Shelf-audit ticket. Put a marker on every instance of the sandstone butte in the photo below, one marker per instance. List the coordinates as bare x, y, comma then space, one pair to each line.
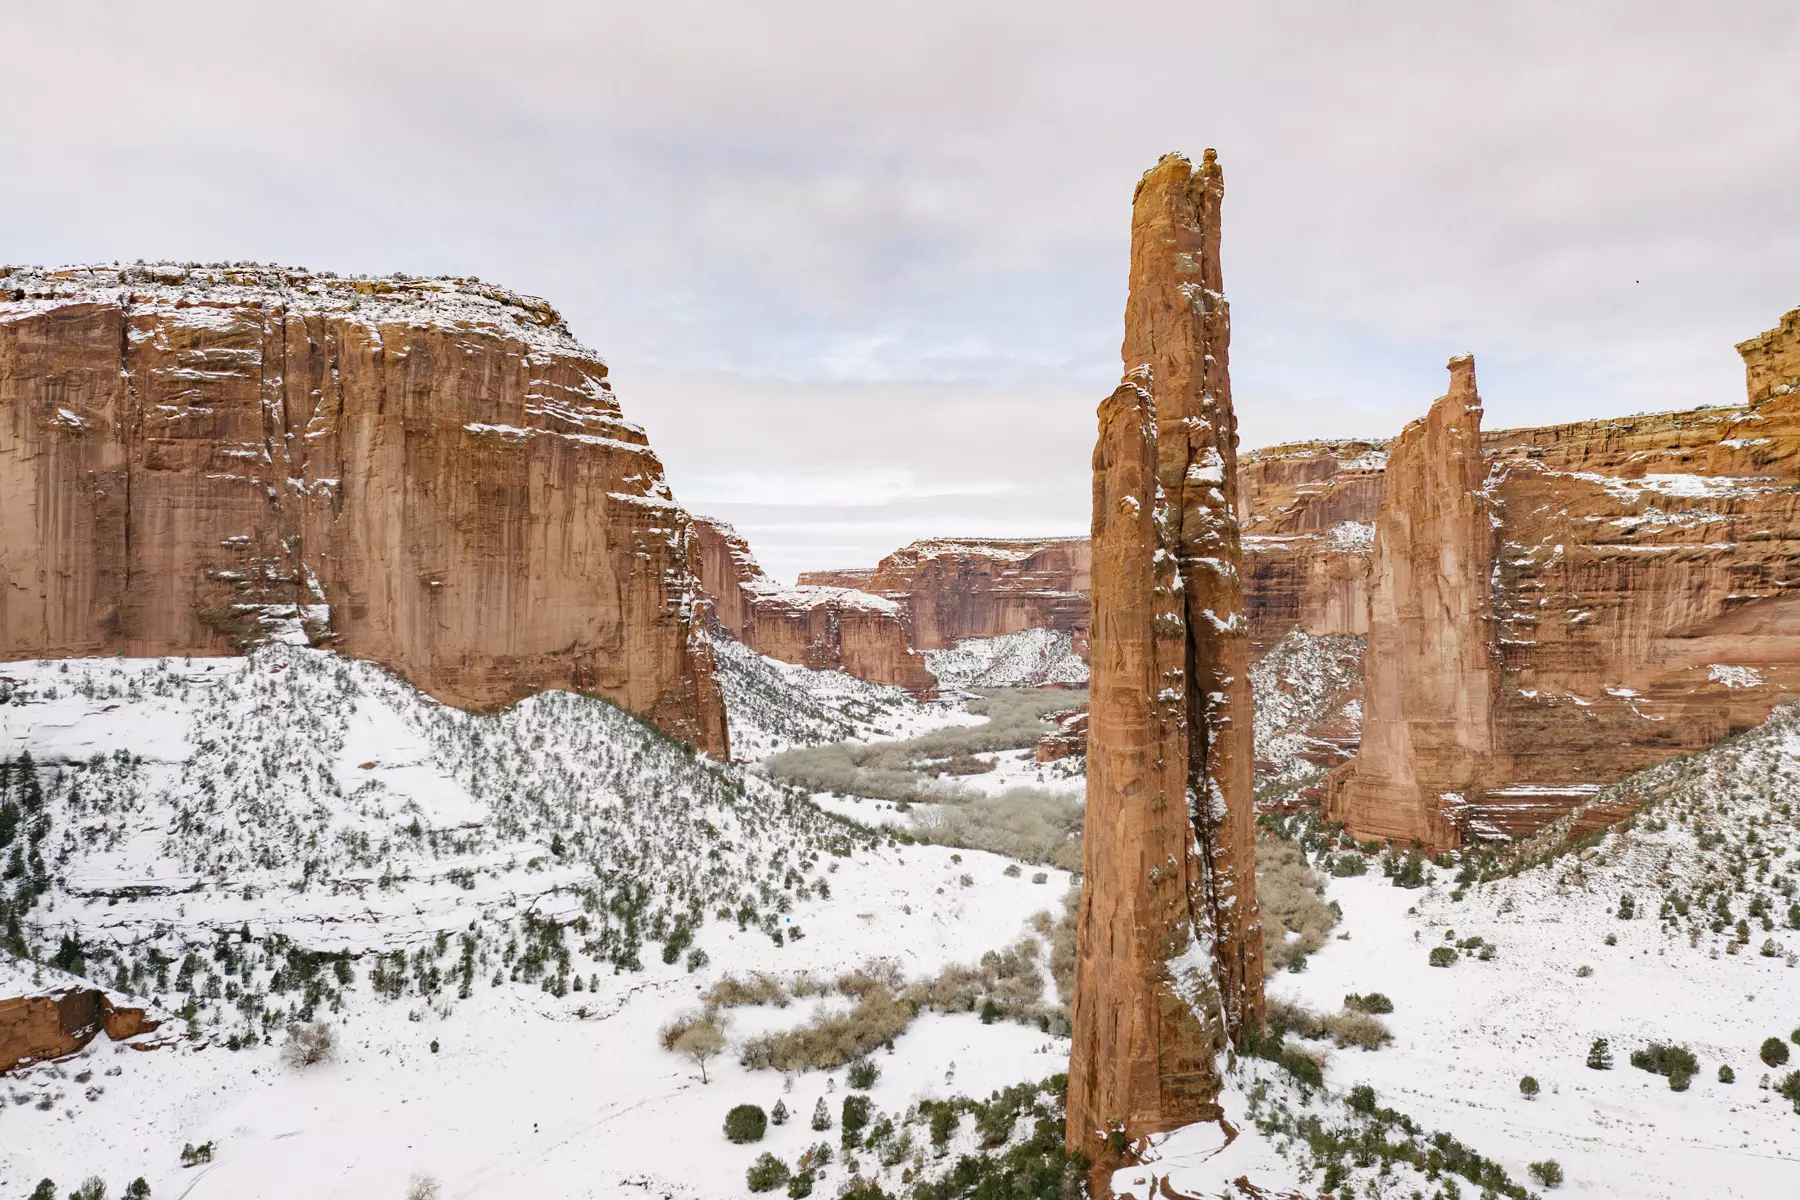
428, 473
956, 588
1642, 601
822, 627
1169, 959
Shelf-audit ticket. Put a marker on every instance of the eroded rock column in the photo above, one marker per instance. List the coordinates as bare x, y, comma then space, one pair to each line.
1169, 968
1431, 670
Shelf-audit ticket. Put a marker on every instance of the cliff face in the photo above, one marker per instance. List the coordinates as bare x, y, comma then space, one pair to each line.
1308, 515
432, 474
824, 628
1641, 603
1428, 707
1168, 963
35, 1028
954, 589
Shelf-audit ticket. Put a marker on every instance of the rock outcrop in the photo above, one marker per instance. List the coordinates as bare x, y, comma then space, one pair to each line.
1169, 958
824, 628
1428, 708
954, 588
35, 1028
431, 474
1642, 601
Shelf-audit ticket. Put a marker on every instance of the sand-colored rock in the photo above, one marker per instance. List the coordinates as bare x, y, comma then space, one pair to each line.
1168, 964
431, 474
1428, 742
35, 1028
824, 628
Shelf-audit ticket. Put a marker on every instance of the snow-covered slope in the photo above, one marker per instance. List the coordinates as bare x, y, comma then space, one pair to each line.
1029, 658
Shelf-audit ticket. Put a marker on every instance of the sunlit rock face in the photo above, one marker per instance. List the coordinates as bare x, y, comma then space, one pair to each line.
1169, 966
825, 628
431, 474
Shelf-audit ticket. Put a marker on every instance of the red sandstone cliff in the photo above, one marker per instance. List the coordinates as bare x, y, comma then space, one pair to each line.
432, 474
1641, 603
955, 588
824, 628
34, 1028
1429, 679
1168, 962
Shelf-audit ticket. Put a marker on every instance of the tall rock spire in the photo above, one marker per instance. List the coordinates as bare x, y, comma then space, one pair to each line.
1169, 967
1429, 737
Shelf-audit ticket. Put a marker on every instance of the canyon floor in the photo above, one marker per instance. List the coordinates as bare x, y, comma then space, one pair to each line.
496, 917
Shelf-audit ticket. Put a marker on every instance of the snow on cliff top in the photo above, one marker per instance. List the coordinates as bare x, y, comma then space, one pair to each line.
201, 294
1029, 658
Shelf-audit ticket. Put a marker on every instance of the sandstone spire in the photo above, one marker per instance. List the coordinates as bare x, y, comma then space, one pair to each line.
1169, 968
1431, 668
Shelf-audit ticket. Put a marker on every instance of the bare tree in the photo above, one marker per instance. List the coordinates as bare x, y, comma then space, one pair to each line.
698, 1043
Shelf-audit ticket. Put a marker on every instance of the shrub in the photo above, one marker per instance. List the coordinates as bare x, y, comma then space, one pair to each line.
1599, 1056
138, 1189
1373, 1003
1357, 1029
990, 1012
423, 1187
1774, 1052
1290, 897
1583, 971
944, 1119
854, 1119
821, 1118
1549, 1173
308, 1042
800, 1185
779, 1114
193, 1156
767, 1173
45, 1190
746, 1123
1442, 956
92, 1188
1726, 1074
831, 1041
1627, 907
1349, 865
1676, 1063
862, 1074
1411, 873
1361, 1099
1788, 1087
1528, 1087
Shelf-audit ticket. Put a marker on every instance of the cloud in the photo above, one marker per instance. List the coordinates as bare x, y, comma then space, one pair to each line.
867, 239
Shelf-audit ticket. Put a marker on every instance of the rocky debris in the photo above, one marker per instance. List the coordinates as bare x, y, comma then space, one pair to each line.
819, 627
62, 1021
955, 588
428, 473
1169, 958
1428, 740
1067, 737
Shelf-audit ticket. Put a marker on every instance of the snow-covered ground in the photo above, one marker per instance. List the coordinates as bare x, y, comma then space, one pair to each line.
1029, 658
499, 894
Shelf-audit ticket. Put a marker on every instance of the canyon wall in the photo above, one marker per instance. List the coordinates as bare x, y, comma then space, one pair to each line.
821, 627
58, 1023
1168, 963
1641, 603
979, 587
431, 474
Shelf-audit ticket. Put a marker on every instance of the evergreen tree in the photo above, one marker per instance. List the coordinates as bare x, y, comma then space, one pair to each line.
821, 1118
1600, 1055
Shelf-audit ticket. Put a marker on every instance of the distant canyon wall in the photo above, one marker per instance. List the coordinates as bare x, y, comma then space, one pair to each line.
825, 628
430, 474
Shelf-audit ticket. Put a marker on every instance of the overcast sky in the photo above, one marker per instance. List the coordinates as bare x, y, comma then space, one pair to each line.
859, 268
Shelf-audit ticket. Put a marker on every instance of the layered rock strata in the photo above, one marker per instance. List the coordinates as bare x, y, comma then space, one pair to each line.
431, 474
824, 628
35, 1028
953, 589
1168, 965
1641, 602
1429, 680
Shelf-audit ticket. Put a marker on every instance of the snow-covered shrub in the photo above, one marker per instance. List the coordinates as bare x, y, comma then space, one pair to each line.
779, 1114
745, 1123
831, 1041
1373, 1003
308, 1042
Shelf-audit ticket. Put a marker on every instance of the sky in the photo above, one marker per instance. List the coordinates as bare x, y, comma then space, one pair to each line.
859, 269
